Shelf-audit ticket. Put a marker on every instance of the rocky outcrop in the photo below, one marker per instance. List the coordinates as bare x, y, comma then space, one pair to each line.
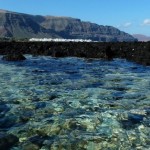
134, 51
13, 57
18, 25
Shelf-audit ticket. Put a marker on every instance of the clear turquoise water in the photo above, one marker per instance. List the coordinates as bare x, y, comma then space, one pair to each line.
75, 104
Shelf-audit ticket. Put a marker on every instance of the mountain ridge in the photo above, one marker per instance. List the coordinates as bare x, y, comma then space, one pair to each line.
142, 37
20, 25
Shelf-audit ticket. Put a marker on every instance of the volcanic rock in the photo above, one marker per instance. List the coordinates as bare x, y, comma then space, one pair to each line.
13, 57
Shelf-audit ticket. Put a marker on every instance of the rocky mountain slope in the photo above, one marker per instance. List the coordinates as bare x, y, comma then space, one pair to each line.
19, 25
141, 37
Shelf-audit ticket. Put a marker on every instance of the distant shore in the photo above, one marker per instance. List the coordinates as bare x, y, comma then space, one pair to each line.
133, 51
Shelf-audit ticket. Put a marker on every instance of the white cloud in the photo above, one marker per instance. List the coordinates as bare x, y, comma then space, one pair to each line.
146, 22
127, 24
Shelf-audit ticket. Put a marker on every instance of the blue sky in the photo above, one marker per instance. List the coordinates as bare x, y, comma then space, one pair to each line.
131, 16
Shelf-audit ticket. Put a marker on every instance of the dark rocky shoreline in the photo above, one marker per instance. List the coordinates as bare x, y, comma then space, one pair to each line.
138, 52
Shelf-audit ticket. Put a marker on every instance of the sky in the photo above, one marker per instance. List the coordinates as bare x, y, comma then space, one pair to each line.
131, 16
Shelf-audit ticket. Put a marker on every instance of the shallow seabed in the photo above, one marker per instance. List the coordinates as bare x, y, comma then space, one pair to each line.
75, 104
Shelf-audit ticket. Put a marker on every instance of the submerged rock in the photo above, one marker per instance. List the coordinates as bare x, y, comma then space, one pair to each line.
135, 118
132, 120
14, 57
30, 146
40, 105
37, 140
7, 121
7, 141
147, 110
4, 108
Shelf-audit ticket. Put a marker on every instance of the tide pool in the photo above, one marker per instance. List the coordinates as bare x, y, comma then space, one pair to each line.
75, 104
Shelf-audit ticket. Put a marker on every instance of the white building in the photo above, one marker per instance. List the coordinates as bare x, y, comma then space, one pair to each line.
57, 40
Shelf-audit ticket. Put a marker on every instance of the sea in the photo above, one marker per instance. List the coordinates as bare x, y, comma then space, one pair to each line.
75, 104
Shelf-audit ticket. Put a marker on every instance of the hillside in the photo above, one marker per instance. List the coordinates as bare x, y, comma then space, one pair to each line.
141, 37
19, 25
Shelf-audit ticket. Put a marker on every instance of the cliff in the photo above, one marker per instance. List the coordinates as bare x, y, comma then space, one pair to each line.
19, 25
